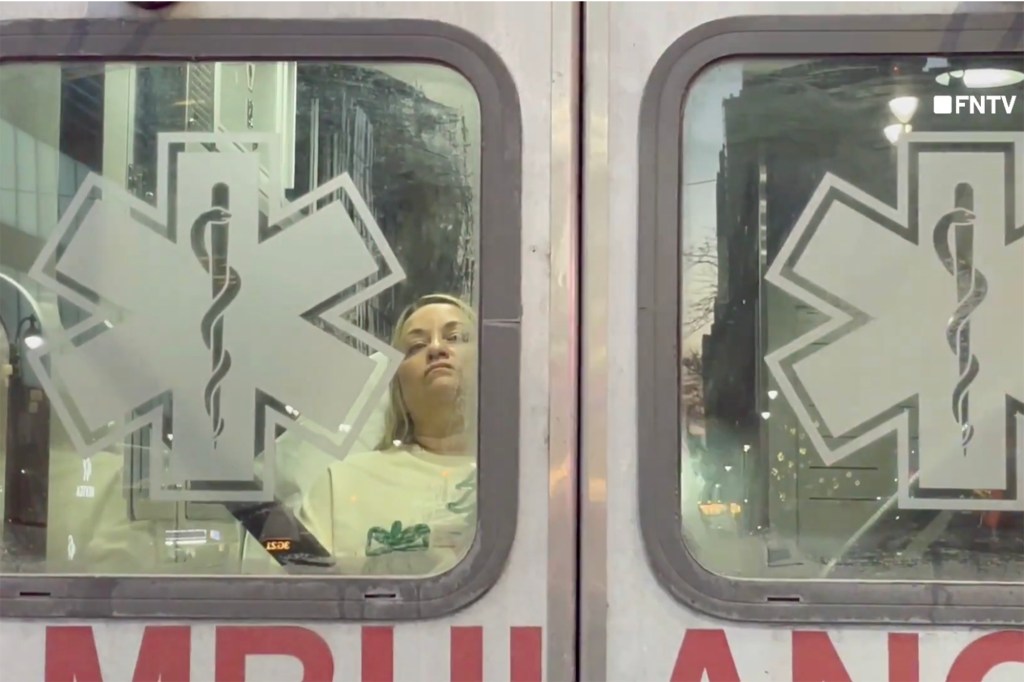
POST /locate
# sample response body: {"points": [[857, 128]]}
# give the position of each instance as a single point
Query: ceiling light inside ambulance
{"points": [[893, 132], [903, 108], [981, 78]]}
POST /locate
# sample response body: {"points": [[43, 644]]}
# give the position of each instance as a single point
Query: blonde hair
{"points": [[398, 426]]}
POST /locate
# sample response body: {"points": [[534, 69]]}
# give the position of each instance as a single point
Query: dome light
{"points": [[903, 108], [895, 131], [981, 78]]}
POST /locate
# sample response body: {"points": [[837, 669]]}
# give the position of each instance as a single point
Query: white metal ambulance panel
{"points": [[648, 608], [519, 628]]}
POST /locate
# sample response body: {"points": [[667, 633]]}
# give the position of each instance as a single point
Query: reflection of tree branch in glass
{"points": [[701, 289], [693, 390]]}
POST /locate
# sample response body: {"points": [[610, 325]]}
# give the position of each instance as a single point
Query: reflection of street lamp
{"points": [[27, 332], [34, 337], [27, 448], [903, 108]]}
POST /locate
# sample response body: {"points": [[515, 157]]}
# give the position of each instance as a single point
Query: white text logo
{"points": [[973, 104]]}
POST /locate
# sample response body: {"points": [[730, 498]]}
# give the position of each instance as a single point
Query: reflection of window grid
{"points": [[199, 92], [36, 185], [28, 172]]}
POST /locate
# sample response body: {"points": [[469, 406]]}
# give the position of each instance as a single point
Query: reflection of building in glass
{"points": [[785, 129], [408, 156]]}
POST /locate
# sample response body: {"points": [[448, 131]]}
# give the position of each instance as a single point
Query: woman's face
{"points": [[440, 357]]}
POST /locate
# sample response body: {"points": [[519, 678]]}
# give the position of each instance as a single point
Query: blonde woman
{"points": [[409, 507]]}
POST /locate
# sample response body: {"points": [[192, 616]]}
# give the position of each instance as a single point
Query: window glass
{"points": [[852, 326], [239, 311]]}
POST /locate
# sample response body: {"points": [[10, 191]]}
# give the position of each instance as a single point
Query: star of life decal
{"points": [[201, 308], [924, 336]]}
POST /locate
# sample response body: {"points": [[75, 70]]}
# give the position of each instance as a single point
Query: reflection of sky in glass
{"points": [[703, 139]]}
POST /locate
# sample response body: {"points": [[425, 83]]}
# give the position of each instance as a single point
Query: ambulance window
{"points": [[851, 385], [243, 325]]}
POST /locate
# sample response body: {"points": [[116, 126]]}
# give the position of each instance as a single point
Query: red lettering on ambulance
{"points": [[525, 645], [704, 652], [904, 657], [236, 642], [71, 655], [985, 653], [467, 654], [165, 654], [378, 655], [815, 658]]}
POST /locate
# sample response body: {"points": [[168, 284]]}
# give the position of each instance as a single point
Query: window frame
{"points": [[659, 311], [499, 276]]}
